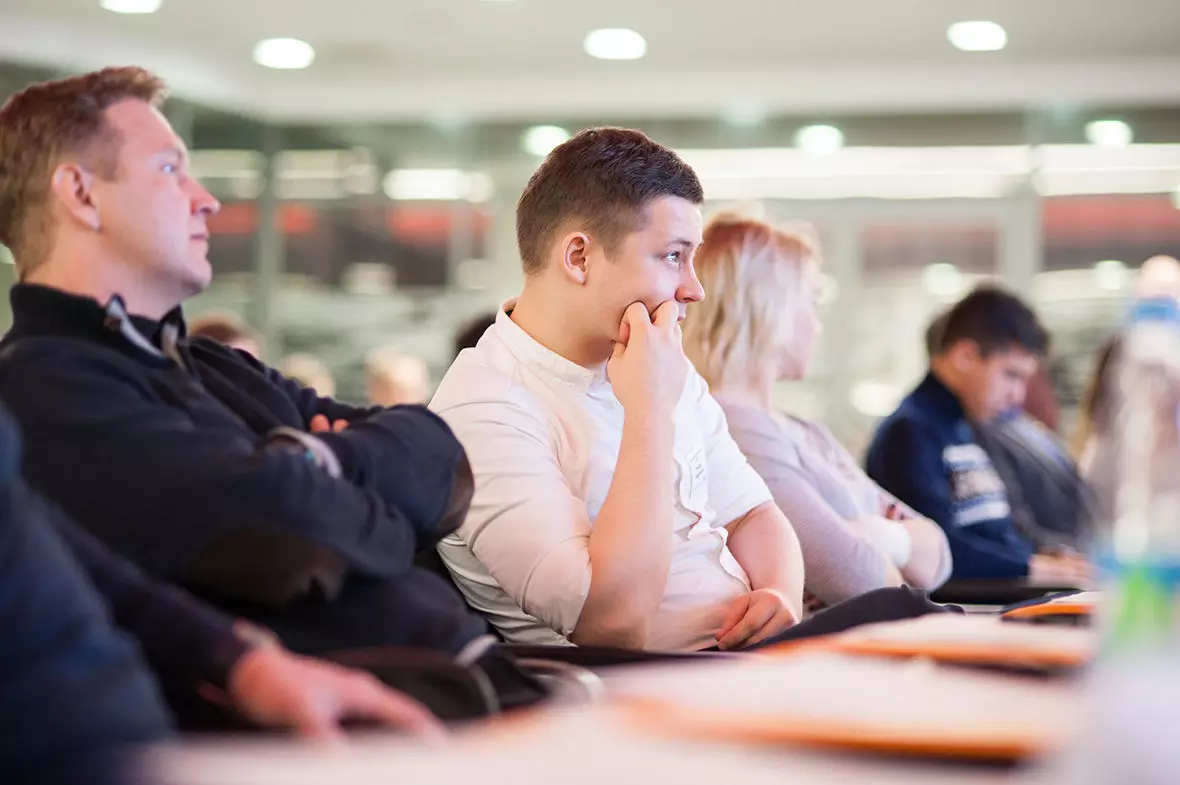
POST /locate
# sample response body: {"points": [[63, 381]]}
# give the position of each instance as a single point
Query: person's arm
{"points": [[760, 536], [193, 646], [840, 559], [907, 462], [915, 548], [532, 534], [764, 543], [197, 504]]}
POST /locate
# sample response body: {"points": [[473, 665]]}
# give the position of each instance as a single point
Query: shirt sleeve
{"points": [[734, 487], [525, 525]]}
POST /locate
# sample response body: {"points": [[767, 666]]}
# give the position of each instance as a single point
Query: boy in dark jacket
{"points": [[926, 454], [204, 466]]}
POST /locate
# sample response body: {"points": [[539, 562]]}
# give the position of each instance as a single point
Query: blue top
{"points": [[925, 453]]}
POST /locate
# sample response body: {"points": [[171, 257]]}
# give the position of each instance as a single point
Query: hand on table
{"points": [[276, 688], [1064, 570], [754, 617]]}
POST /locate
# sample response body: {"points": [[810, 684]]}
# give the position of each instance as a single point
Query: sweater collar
{"points": [[43, 310]]}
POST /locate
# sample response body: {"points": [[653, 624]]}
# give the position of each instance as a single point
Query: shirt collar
{"points": [[937, 397], [533, 354]]}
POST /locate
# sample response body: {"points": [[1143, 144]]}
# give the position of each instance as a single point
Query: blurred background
{"points": [[369, 154]]}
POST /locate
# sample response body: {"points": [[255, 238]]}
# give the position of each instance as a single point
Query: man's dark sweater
{"points": [[925, 454], [195, 461]]}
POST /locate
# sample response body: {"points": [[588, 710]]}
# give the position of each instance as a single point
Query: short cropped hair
{"points": [[754, 273], [602, 178], [995, 320], [47, 122]]}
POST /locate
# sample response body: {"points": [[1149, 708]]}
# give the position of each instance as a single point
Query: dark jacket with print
{"points": [[195, 461], [925, 454]]}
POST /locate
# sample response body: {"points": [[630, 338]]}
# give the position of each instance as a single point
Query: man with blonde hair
{"points": [[201, 464]]}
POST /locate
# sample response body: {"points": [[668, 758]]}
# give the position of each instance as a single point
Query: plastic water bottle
{"points": [[1130, 719], [1140, 548]]}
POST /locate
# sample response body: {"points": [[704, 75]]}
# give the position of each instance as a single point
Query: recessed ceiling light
{"points": [[540, 139], [615, 44], [943, 280], [284, 53], [977, 36], [131, 6], [1109, 133], [819, 139]]}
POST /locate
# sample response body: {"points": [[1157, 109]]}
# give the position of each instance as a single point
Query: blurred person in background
{"points": [[394, 377], [926, 453], [202, 465], [311, 372], [470, 333], [91, 646], [612, 507], [1051, 503], [228, 329], [1095, 415], [758, 326]]}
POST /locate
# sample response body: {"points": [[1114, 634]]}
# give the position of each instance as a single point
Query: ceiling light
{"points": [[1109, 133], [284, 53], [615, 44], [819, 139], [1110, 275], [540, 139], [977, 36], [943, 280], [131, 6]]}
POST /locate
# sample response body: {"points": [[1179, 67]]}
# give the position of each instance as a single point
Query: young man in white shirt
{"points": [[611, 507]]}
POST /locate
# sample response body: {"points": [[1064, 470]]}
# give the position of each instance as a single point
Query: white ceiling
{"points": [[522, 59]]}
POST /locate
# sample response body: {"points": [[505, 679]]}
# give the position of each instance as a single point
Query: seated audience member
{"points": [[1097, 455], [75, 689], [310, 371], [469, 335], [228, 329], [612, 507], [1051, 504], [759, 326], [1096, 415], [393, 377], [202, 465], [926, 452]]}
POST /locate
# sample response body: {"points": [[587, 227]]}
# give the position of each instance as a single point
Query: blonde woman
{"points": [[759, 326]]}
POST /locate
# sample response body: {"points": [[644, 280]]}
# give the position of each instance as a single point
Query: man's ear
{"points": [[72, 186], [965, 354], [574, 250]]}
